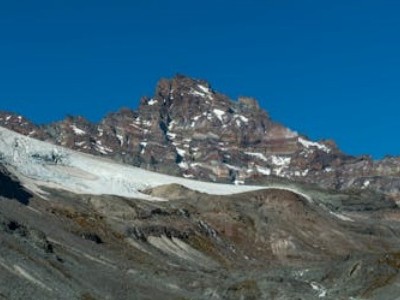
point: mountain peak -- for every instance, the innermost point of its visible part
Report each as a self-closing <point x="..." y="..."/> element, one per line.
<point x="249" y="102"/>
<point x="182" y="85"/>
<point x="191" y="130"/>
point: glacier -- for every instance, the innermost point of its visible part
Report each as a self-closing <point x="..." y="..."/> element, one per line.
<point x="39" y="164"/>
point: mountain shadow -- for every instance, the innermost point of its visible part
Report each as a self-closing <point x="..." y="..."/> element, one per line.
<point x="12" y="189"/>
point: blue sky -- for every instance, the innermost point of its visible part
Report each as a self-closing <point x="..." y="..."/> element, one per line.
<point x="328" y="69"/>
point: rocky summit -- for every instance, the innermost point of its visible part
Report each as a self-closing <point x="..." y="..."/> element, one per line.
<point x="188" y="129"/>
<point x="192" y="196"/>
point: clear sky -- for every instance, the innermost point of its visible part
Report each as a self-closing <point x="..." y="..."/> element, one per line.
<point x="327" y="69"/>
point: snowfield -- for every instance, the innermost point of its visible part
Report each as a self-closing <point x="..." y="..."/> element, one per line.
<point x="39" y="164"/>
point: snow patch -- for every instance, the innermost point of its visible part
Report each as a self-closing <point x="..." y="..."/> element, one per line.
<point x="264" y="171"/>
<point x="143" y="145"/>
<point x="171" y="124"/>
<point x="183" y="165"/>
<point x="171" y="135"/>
<point x="197" y="93"/>
<point x="188" y="175"/>
<point x="319" y="288"/>
<point x="102" y="149"/>
<point x="80" y="144"/>
<point x="233" y="167"/>
<point x="180" y="151"/>
<point x="257" y="155"/>
<point x="238" y="182"/>
<point x="219" y="113"/>
<point x="204" y="88"/>
<point x="366" y="184"/>
<point x="280" y="161"/>
<point x="204" y="92"/>
<point x="77" y="130"/>
<point x="244" y="119"/>
<point x="342" y="217"/>
<point x="309" y="144"/>
<point x="240" y="118"/>
<point x="301" y="173"/>
<point x="152" y="102"/>
<point x="121" y="139"/>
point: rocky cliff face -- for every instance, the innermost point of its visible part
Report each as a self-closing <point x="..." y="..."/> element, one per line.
<point x="190" y="130"/>
<point x="266" y="244"/>
<point x="75" y="226"/>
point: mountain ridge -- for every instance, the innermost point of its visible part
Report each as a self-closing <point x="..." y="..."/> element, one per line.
<point x="309" y="222"/>
<point x="188" y="129"/>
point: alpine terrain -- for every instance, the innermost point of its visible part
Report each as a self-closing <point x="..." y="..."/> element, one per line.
<point x="192" y="196"/>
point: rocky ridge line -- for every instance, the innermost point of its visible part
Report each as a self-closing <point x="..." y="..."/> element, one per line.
<point x="188" y="129"/>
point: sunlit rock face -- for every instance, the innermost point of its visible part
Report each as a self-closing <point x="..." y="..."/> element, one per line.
<point x="188" y="129"/>
<point x="82" y="215"/>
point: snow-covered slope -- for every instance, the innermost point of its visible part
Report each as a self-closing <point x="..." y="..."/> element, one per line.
<point x="40" y="164"/>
